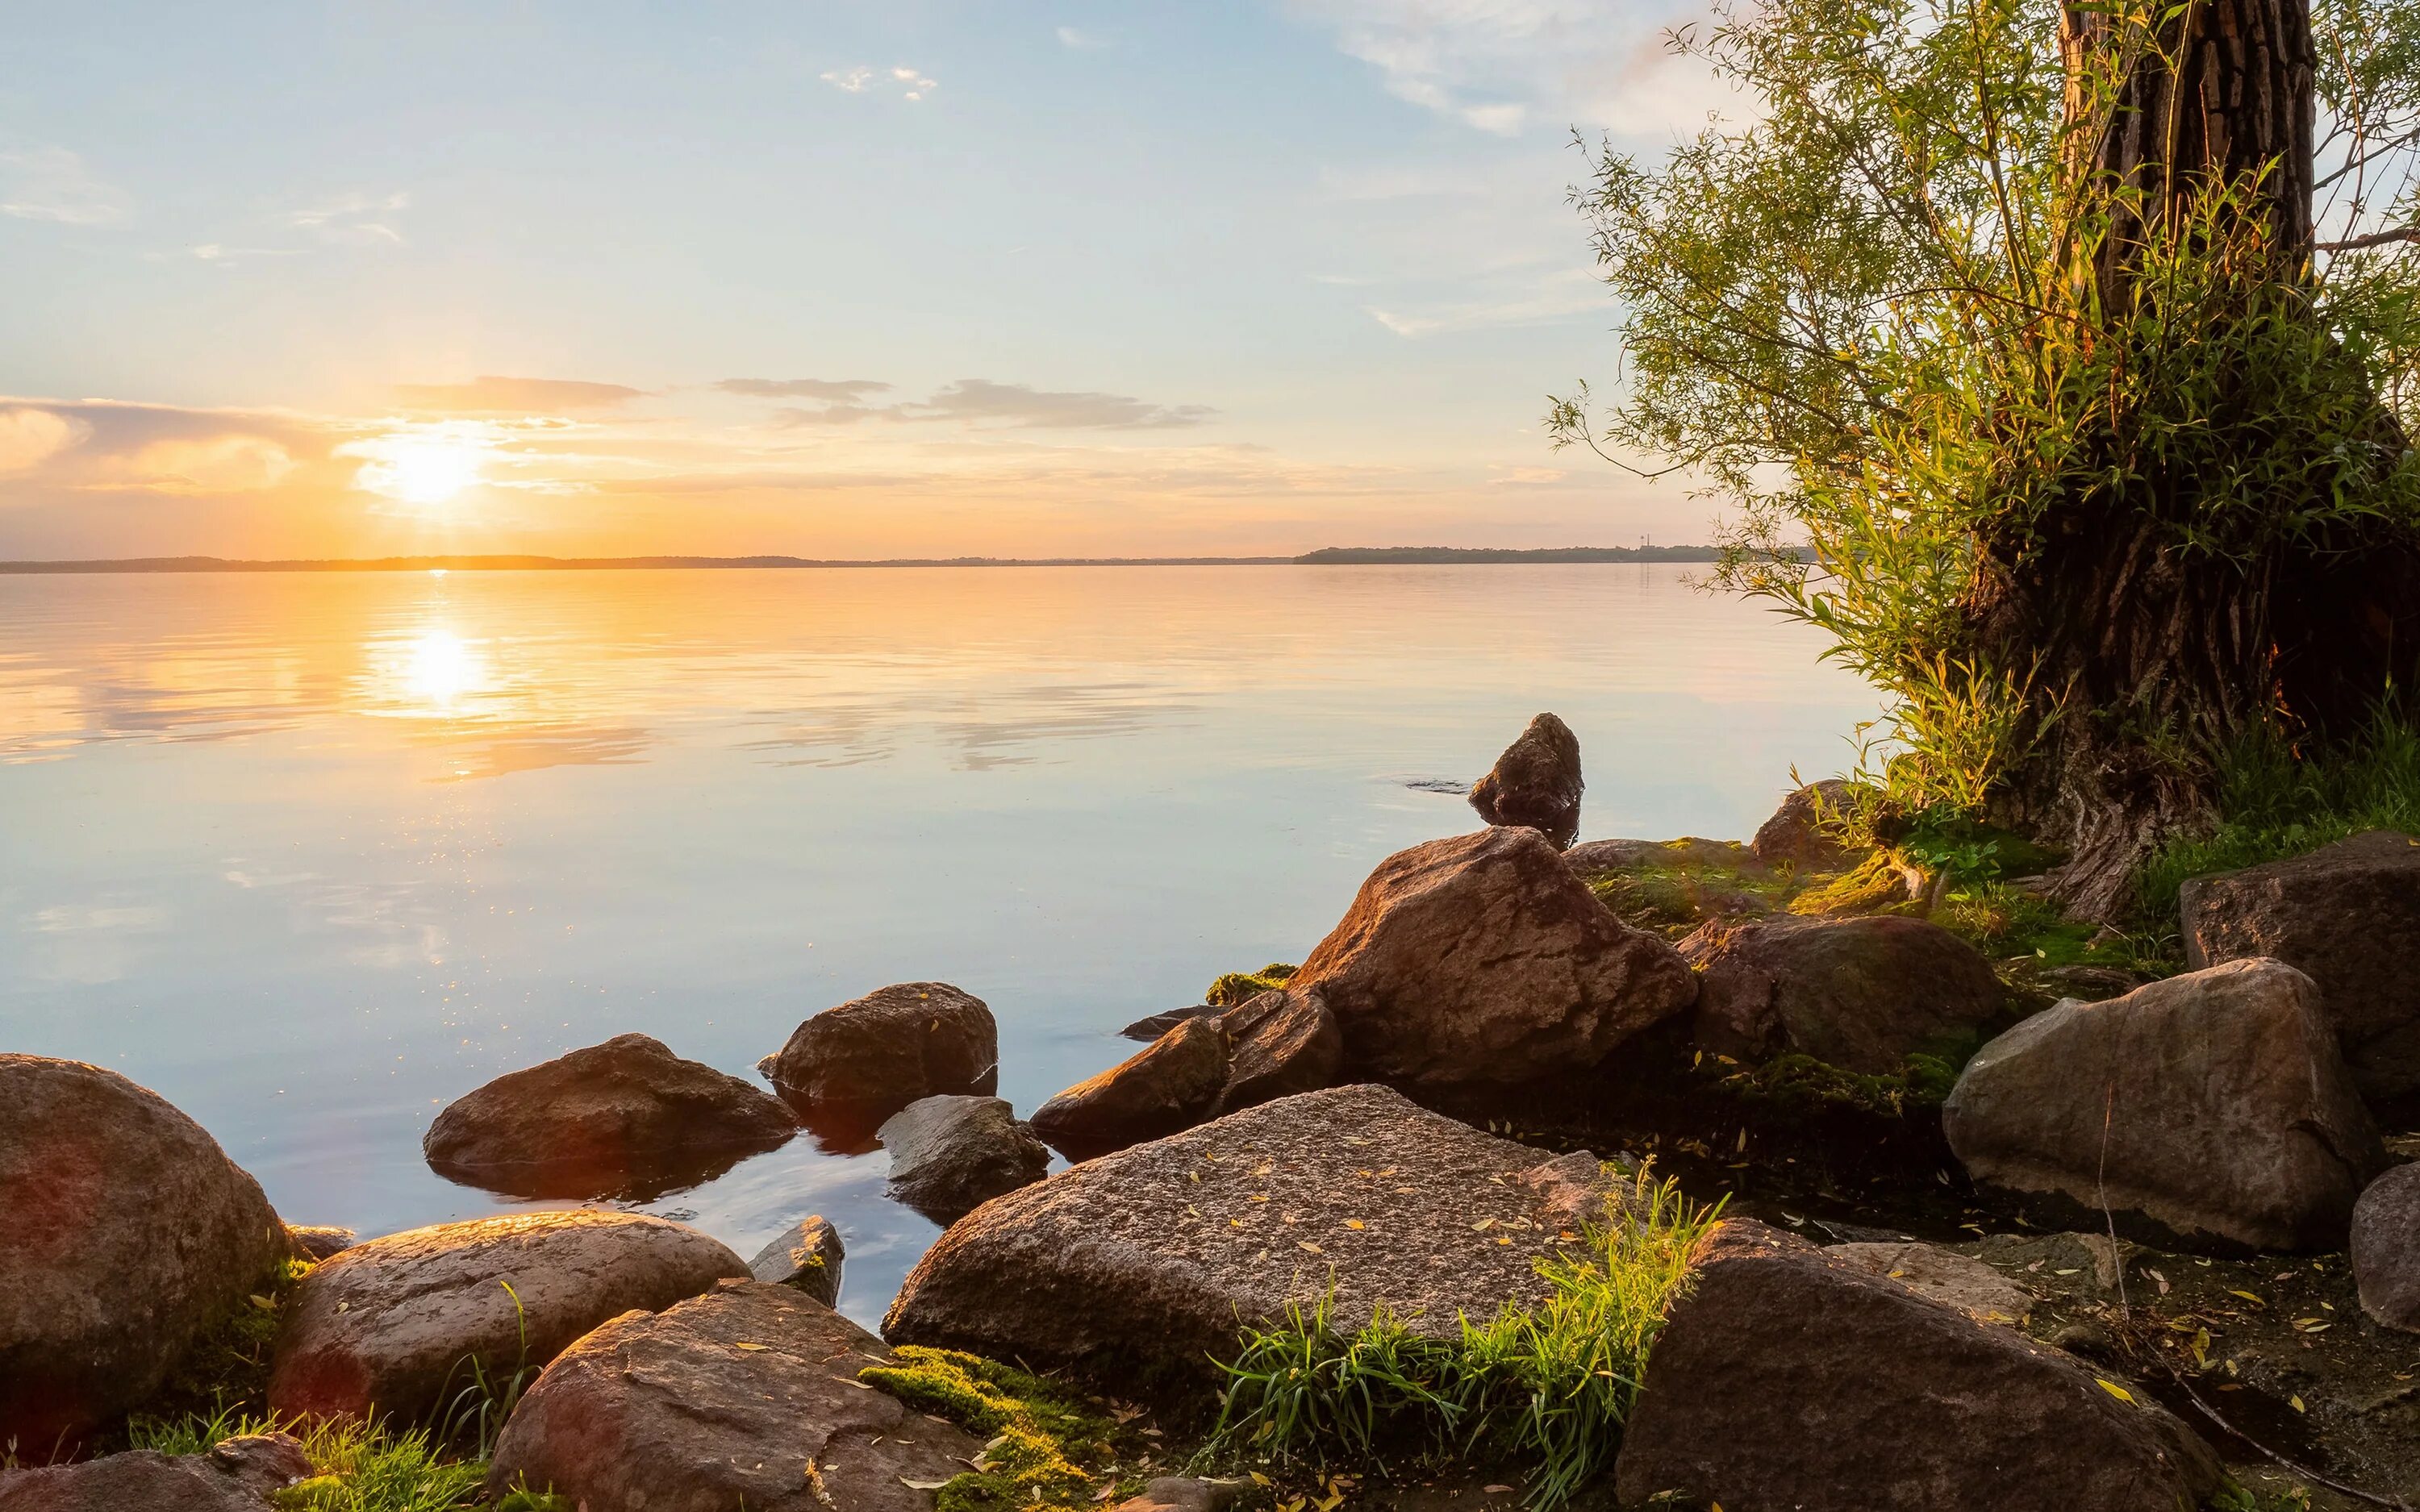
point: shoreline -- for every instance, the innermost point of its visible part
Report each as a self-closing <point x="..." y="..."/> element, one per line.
<point x="1325" y="557"/>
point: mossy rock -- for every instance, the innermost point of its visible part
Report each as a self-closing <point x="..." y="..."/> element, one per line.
<point x="1236" y="988"/>
<point x="1049" y="1446"/>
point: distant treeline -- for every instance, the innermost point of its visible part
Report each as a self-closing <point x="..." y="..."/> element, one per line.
<point x="1325" y="557"/>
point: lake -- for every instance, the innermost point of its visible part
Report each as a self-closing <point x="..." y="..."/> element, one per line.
<point x="314" y="854"/>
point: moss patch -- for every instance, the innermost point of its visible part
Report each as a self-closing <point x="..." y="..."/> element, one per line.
<point x="1048" y="1445"/>
<point x="1237" y="987"/>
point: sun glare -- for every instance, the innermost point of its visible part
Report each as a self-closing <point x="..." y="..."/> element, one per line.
<point x="423" y="467"/>
<point x="441" y="667"/>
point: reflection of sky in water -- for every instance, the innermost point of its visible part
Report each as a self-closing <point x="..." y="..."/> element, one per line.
<point x="314" y="854"/>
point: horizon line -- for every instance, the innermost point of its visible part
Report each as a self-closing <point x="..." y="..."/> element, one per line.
<point x="514" y="562"/>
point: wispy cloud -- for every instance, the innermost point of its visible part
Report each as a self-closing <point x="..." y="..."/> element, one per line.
<point x="973" y="401"/>
<point x="839" y="390"/>
<point x="51" y="183"/>
<point x="912" y="83"/>
<point x="30" y="437"/>
<point x="492" y="394"/>
<point x="1082" y="41"/>
<point x="1532" y="300"/>
<point x="352" y="220"/>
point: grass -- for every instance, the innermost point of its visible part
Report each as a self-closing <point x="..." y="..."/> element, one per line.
<point x="476" y="1415"/>
<point x="1546" y="1387"/>
<point x="361" y="1468"/>
<point x="1236" y="988"/>
<point x="1673" y="897"/>
<point x="226" y="1370"/>
<point x="1047" y="1446"/>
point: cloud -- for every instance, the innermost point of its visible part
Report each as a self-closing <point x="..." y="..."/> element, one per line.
<point x="30" y="437"/>
<point x="491" y="394"/>
<point x="1519" y="476"/>
<point x="1522" y="298"/>
<point x="837" y="389"/>
<point x="980" y="399"/>
<point x="212" y="251"/>
<point x="1081" y="41"/>
<point x="861" y="80"/>
<point x="50" y="183"/>
<point x="219" y="464"/>
<point x="352" y="220"/>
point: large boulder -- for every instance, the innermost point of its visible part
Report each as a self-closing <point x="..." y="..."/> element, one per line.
<point x="2348" y="916"/>
<point x="1800" y="833"/>
<point x="746" y="1397"/>
<point x="950" y="1155"/>
<point x="392" y="1326"/>
<point x="125" y="1234"/>
<point x="1787" y="1378"/>
<point x="238" y="1475"/>
<point x="1862" y="994"/>
<point x="625" y="1117"/>
<point x="849" y="1067"/>
<point x="1279" y="1043"/>
<point x="807" y="1257"/>
<point x="1482" y="959"/>
<point x="2214" y="1107"/>
<point x="1535" y="783"/>
<point x="1148" y="1261"/>
<point x="2386" y="1248"/>
<point x="1171" y="1083"/>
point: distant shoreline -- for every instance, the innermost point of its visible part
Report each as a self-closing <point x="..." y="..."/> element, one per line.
<point x="1325" y="557"/>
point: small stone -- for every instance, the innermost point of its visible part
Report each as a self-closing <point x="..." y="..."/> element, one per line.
<point x="1536" y="783"/>
<point x="949" y="1155"/>
<point x="808" y="1258"/>
<point x="316" y="1241"/>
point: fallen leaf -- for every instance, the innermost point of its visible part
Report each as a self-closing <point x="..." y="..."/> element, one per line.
<point x="1495" y="1490"/>
<point x="2296" y="1403"/>
<point x="1483" y="1224"/>
<point x="922" y="1485"/>
<point x="1354" y="1223"/>
<point x="1259" y="1479"/>
<point x="1303" y="1244"/>
<point x="2115" y="1390"/>
<point x="742" y="1346"/>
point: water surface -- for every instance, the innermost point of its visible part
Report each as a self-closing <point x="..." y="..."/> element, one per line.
<point x="314" y="854"/>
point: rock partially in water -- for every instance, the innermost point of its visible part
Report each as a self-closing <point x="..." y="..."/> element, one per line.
<point x="1862" y="994"/>
<point x="747" y="1397"/>
<point x="1171" y="1083"/>
<point x="238" y="1475"/>
<point x="950" y="1155"/>
<point x="1279" y="1043"/>
<point x="624" y="1119"/>
<point x="1151" y="1026"/>
<point x="807" y="1258"/>
<point x="125" y="1234"/>
<point x="316" y="1241"/>
<point x="1789" y="1377"/>
<point x="1143" y="1262"/>
<point x="2386" y="1248"/>
<point x="1482" y="959"/>
<point x="2213" y="1106"/>
<point x="848" y="1067"/>
<point x="1801" y="832"/>
<point x="390" y="1326"/>
<point x="1536" y="783"/>
<point x="2348" y="916"/>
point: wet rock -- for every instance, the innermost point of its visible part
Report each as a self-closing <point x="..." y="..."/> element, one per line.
<point x="1151" y="1026"/>
<point x="1144" y="1261"/>
<point x="745" y="1398"/>
<point x="853" y="1066"/>
<point x="1171" y="1083"/>
<point x="625" y="1117"/>
<point x="950" y="1155"/>
<point x="2214" y="1107"/>
<point x="2348" y="916"/>
<point x="386" y="1326"/>
<point x="125" y="1234"/>
<point x="1482" y="959"/>
<point x="1795" y="835"/>
<point x="238" y="1475"/>
<point x="1536" y="783"/>
<point x="2386" y="1248"/>
<point x="316" y="1241"/>
<point x="1279" y="1043"/>
<point x="1961" y="1281"/>
<point x="1862" y="994"/>
<point x="1789" y="1378"/>
<point x="807" y="1258"/>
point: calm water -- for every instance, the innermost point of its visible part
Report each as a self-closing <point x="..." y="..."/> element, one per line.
<point x="312" y="854"/>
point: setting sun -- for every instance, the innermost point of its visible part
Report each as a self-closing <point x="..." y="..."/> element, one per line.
<point x="424" y="467"/>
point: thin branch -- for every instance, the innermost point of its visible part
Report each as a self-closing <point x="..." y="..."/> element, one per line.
<point x="2375" y="238"/>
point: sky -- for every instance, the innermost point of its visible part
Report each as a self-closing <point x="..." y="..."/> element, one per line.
<point x="911" y="278"/>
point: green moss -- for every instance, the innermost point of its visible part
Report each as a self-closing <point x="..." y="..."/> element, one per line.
<point x="1048" y="1445"/>
<point x="1680" y="888"/>
<point x="361" y="1468"/>
<point x="1239" y="987"/>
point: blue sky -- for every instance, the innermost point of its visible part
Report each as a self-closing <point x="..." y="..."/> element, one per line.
<point x="1249" y="276"/>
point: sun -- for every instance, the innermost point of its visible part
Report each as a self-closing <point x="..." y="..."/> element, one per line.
<point x="423" y="467"/>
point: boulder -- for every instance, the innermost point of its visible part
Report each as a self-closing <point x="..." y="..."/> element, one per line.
<point x="745" y="1398"/>
<point x="392" y="1325"/>
<point x="807" y="1258"/>
<point x="1795" y="836"/>
<point x="2212" y="1108"/>
<point x="2347" y="915"/>
<point x="1152" y="1026"/>
<point x="125" y="1234"/>
<point x="1279" y="1044"/>
<point x="949" y="1155"/>
<point x="238" y="1475"/>
<point x="1171" y="1083"/>
<point x="2386" y="1248"/>
<point x="1962" y="1281"/>
<point x="1862" y="993"/>
<point x="624" y="1119"/>
<point x="1788" y="1378"/>
<point x="853" y="1066"/>
<point x="1535" y="783"/>
<point x="1144" y="1262"/>
<point x="316" y="1241"/>
<point x="1482" y="959"/>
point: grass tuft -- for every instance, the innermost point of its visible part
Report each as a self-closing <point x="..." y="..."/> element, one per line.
<point x="360" y="1468"/>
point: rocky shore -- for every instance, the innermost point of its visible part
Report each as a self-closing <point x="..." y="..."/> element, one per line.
<point x="1998" y="1231"/>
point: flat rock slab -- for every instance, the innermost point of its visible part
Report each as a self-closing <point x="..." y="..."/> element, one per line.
<point x="1964" y="1282"/>
<point x="744" y="1398"/>
<point x="388" y="1326"/>
<point x="1788" y="1378"/>
<point x="240" y="1474"/>
<point x="1151" y="1258"/>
